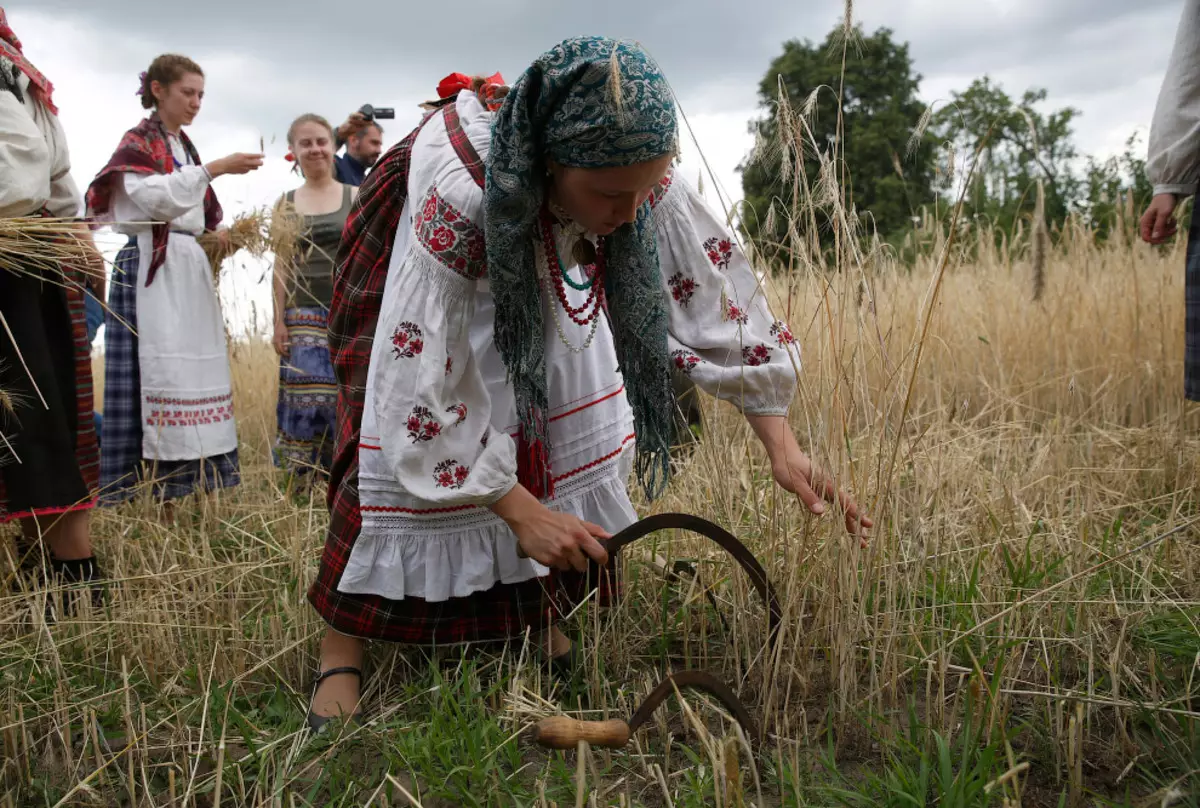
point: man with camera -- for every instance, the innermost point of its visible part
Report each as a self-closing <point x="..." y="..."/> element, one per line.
<point x="363" y="139"/>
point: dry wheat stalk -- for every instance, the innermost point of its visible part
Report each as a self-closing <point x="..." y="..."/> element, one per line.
<point x="48" y="248"/>
<point x="247" y="232"/>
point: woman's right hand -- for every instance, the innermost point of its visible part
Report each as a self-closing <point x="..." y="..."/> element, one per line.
<point x="281" y="341"/>
<point x="549" y="537"/>
<point x="237" y="163"/>
<point x="1158" y="222"/>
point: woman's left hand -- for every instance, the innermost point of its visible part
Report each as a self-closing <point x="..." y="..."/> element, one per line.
<point x="795" y="472"/>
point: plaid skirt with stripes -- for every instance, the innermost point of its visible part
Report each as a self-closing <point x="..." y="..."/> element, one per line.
<point x="1191" y="283"/>
<point x="122" y="468"/>
<point x="49" y="460"/>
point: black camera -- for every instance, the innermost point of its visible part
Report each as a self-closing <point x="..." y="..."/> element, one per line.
<point x="382" y="113"/>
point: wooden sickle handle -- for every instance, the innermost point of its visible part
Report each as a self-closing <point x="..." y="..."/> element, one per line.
<point x="561" y="732"/>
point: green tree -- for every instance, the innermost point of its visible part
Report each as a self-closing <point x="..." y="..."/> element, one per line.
<point x="877" y="174"/>
<point x="1016" y="145"/>
<point x="1115" y="191"/>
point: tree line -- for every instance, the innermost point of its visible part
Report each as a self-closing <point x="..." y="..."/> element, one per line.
<point x="843" y="118"/>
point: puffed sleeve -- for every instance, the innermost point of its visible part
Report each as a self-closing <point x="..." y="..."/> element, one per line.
<point x="65" y="201"/>
<point x="166" y="197"/>
<point x="722" y="332"/>
<point x="430" y="403"/>
<point x="1173" y="155"/>
<point x="24" y="160"/>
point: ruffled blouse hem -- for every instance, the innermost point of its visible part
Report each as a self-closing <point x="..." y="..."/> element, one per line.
<point x="395" y="563"/>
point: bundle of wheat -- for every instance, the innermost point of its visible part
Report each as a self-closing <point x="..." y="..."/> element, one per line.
<point x="49" y="248"/>
<point x="284" y="233"/>
<point x="247" y="232"/>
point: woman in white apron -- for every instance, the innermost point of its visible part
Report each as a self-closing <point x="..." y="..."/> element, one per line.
<point x="168" y="400"/>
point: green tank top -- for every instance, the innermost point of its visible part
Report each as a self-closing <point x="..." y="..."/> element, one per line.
<point x="313" y="275"/>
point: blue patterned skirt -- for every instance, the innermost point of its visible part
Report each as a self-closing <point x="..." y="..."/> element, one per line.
<point x="307" y="408"/>
<point x="122" y="467"/>
<point x="1191" y="285"/>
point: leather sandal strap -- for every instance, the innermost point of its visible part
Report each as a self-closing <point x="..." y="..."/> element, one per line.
<point x="321" y="677"/>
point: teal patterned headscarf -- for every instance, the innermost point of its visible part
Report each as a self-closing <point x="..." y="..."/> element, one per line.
<point x="589" y="102"/>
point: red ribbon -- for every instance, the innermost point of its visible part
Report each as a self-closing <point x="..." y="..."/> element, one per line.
<point x="457" y="82"/>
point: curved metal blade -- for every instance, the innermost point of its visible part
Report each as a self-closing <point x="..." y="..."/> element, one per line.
<point x="695" y="680"/>
<point x="740" y="553"/>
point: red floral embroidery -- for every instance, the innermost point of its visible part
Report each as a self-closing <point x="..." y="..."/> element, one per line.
<point x="422" y="426"/>
<point x="755" y="355"/>
<point x="685" y="361"/>
<point x="443" y="238"/>
<point x="407" y="341"/>
<point x="782" y="334"/>
<point x="660" y="190"/>
<point x="720" y="251"/>
<point x="483" y="441"/>
<point x="429" y="211"/>
<point x="453" y="239"/>
<point x="449" y="365"/>
<point x="682" y="288"/>
<point x="459" y="410"/>
<point x="450" y="474"/>
<point x="737" y="315"/>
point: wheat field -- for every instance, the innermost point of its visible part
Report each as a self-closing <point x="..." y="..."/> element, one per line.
<point x="1021" y="628"/>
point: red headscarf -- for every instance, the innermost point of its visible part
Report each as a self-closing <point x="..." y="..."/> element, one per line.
<point x="10" y="48"/>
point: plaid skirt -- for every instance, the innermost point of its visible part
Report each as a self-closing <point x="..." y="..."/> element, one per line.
<point x="502" y="612"/>
<point x="1191" y="285"/>
<point x="122" y="468"/>
<point x="305" y="413"/>
<point x="48" y="458"/>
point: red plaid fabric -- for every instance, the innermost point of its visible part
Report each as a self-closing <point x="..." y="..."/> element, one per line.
<point x="144" y="150"/>
<point x="505" y="610"/>
<point x="87" y="450"/>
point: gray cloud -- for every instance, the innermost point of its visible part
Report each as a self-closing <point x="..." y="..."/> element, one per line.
<point x="310" y="54"/>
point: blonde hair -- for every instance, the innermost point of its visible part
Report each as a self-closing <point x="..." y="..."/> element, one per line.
<point x="308" y="117"/>
<point x="166" y="70"/>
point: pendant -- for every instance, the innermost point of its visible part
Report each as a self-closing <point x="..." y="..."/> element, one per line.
<point x="584" y="252"/>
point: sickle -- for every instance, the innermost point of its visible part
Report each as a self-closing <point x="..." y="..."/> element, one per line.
<point x="561" y="732"/>
<point x="741" y="554"/>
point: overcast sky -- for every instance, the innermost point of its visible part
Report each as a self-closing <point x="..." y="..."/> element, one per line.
<point x="267" y="62"/>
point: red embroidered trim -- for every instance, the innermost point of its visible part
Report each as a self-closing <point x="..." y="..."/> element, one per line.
<point x="57" y="511"/>
<point x="213" y="415"/>
<point x="387" y="509"/>
<point x="596" y="462"/>
<point x="589" y="404"/>
<point x="189" y="402"/>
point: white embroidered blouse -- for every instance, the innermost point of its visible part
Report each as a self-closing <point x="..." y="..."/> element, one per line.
<point x="437" y="434"/>
<point x="35" y="165"/>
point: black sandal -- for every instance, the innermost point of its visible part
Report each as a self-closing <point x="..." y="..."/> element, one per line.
<point x="316" y="723"/>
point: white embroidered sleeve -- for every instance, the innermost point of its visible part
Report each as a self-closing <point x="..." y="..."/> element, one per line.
<point x="166" y="197"/>
<point x="722" y="331"/>
<point x="431" y="406"/>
